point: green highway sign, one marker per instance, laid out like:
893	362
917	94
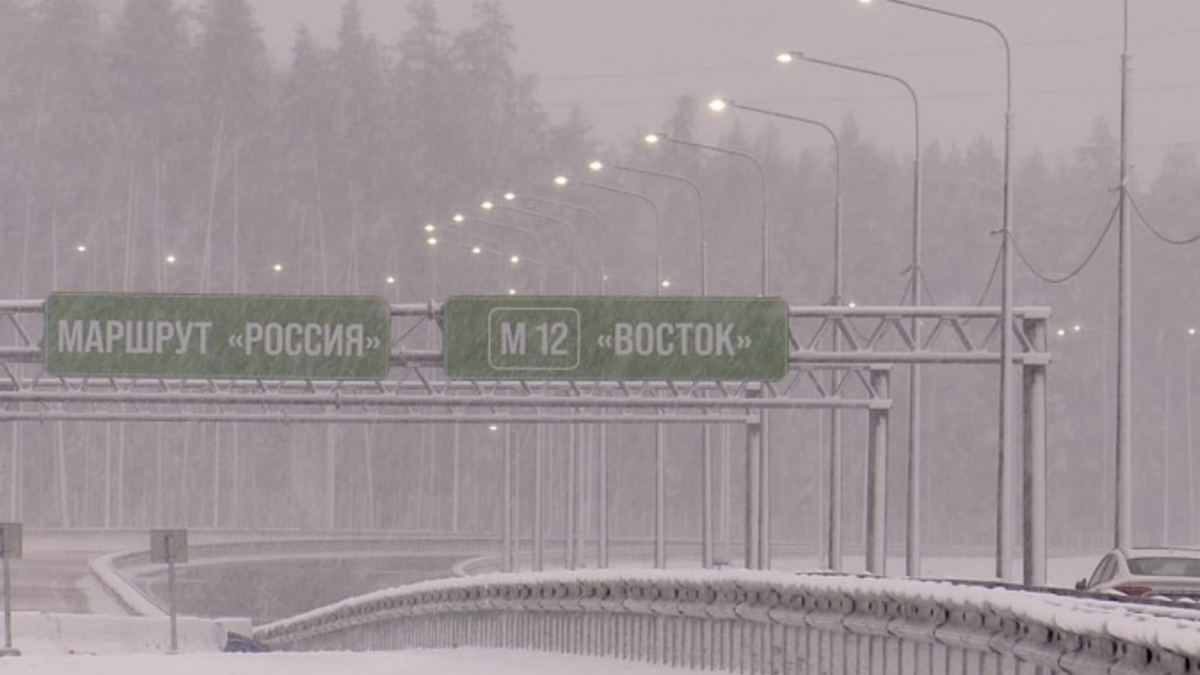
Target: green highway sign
217	336
615	338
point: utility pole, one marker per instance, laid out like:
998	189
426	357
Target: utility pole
1124	459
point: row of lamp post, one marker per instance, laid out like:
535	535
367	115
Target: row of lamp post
1034	540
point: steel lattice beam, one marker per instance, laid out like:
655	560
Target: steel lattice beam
417	389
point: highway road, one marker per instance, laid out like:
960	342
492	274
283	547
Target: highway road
261	576
53	574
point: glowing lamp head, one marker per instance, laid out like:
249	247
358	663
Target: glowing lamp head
458	218
429	227
487	206
652	139
718	105
596	165
785	57
432	241
477	250
561	180
516	259
509	196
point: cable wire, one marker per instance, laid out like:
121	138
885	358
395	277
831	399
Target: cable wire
992	277
1158	234
1091	254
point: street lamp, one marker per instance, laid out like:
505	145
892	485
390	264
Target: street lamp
513	196
719	105
1034	539
660	542
490	205
505	261
707	471
834	538
563	181
602	530
598	166
914	380
513	259
758	536
656	138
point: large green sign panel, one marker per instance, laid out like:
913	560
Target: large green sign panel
217	336
615	338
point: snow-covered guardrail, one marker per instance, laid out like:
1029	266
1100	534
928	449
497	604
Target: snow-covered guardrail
763	622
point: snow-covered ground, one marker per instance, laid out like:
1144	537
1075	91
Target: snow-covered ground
109	645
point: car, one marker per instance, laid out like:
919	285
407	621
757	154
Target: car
1172	573
238	643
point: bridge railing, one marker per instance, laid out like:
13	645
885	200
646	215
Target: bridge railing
763	622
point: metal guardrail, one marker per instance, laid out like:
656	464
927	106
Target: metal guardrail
764	622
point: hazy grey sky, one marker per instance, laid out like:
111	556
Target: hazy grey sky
626	61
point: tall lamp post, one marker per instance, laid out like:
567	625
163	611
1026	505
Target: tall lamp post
513	196
490	205
660	487
1124	450
719	105
656	138
914	380
563	180
602	443
834	525
1035	536
758	497
576	463
598	166
473	246
462	219
707	548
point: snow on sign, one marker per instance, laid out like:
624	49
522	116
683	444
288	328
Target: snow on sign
615	338
217	336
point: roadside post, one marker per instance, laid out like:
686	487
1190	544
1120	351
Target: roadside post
10	549
170	547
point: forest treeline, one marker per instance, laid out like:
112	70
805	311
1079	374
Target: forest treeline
152	131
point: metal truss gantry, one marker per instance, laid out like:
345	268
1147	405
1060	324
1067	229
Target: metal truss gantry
823	373
840	358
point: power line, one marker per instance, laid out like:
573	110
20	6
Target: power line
991	277
924	53
1091	254
1156	233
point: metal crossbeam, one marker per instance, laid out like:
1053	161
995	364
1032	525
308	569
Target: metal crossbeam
417	389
